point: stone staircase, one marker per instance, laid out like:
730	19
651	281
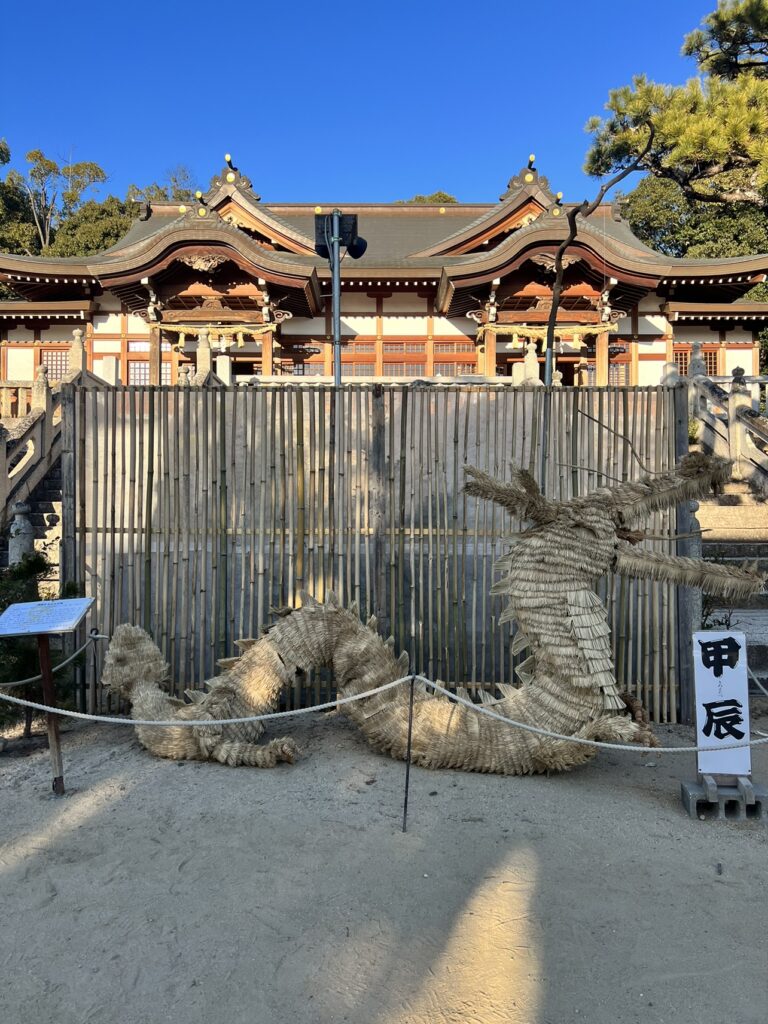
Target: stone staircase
44	514
735	530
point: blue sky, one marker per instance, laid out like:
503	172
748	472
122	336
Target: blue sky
331	101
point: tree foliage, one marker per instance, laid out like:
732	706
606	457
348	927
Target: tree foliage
433	199
179	186
662	216
92	228
732	40
711	134
53	191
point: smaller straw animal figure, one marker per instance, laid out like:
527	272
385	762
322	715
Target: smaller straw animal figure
135	669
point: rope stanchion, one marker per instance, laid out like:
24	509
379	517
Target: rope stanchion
408	753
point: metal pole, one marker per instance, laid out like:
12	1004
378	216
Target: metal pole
49	695
336	297
408	755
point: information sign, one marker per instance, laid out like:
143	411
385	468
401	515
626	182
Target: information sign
36	618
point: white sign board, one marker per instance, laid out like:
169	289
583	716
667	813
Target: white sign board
722	705
37	617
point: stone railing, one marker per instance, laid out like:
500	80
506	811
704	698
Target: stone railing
731	423
30	439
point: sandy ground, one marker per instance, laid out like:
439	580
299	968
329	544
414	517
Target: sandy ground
163	892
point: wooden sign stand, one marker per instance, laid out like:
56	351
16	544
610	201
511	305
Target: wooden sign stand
41	619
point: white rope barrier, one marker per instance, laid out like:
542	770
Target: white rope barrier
480	709
483	710
93	635
204	723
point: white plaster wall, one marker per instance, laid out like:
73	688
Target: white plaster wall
107	345
649	304
739	336
21	364
650	373
463	328
353	302
61	332
21	334
408	326
98	368
304	325
653	324
405	303
106	323
739	357
358	325
108	302
137	326
686	334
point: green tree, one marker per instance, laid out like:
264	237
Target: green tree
732	40
17	228
92	228
711	134
433	199
53	191
178	187
661	215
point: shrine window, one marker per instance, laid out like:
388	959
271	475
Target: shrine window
358	369
682	357
455	369
404	369
56	362
138	373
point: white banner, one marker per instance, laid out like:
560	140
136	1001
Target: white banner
722	705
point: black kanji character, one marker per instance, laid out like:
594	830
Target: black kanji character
724	716
717	653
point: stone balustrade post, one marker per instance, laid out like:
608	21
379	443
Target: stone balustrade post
738	399
204	355
76	354
21	536
42	401
697	367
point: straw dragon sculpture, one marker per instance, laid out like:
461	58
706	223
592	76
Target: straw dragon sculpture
569	686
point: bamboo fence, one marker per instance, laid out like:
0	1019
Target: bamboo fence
195	512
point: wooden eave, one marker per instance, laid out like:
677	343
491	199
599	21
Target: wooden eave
610	257
682	311
73	309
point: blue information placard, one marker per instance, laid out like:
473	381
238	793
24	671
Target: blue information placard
40	617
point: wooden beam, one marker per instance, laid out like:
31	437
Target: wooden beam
155	356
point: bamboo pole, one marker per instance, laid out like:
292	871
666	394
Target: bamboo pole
300	494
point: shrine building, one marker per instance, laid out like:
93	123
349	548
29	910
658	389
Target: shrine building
231	282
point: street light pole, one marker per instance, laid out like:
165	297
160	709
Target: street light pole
336	296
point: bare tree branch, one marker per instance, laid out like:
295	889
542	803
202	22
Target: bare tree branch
585	210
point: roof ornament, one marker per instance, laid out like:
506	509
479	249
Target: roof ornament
230	175
526	178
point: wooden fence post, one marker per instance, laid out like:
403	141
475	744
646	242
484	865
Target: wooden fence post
688	598
377	500
67	556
